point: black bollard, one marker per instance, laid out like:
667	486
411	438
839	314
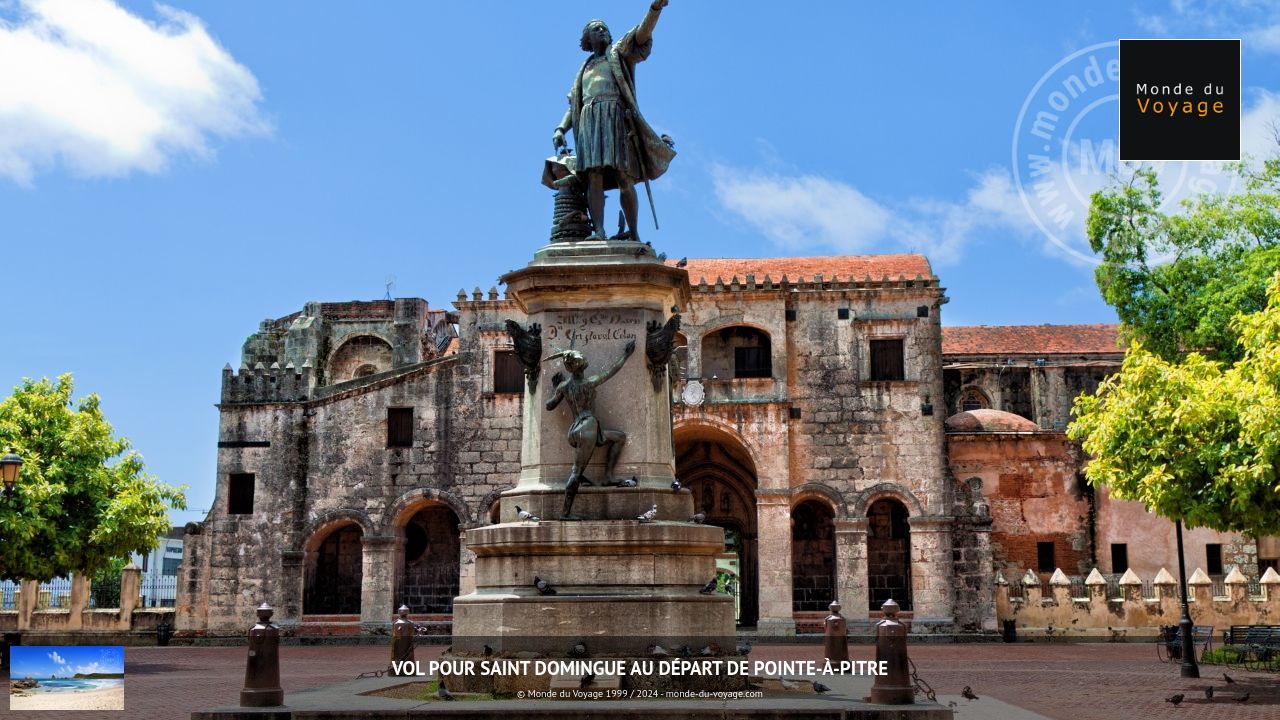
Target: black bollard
262	668
163	632
835	636
402	631
894	687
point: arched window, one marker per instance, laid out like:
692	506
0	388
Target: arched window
973	399
737	352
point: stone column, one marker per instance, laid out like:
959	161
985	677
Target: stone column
851	567
291	588
29	592
130	585
773	526
932	595
1049	397
377	584
986	572
466	566
79	601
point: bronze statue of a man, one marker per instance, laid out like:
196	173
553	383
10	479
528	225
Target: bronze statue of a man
586	433
616	147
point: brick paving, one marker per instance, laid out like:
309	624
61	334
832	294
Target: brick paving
1081	682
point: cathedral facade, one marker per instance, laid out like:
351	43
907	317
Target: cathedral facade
851	447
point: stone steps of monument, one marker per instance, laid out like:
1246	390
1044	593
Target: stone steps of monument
329	625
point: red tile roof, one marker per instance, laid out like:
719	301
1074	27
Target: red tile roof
1031	340
984	420
795	268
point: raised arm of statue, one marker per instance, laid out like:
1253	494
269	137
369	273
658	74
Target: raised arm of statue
616	366
645	31
556	397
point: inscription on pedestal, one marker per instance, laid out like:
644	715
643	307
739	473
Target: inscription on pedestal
585	327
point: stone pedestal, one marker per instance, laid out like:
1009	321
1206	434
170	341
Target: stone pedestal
621	585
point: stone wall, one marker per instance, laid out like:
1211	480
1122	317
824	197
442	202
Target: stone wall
1094	611
131	623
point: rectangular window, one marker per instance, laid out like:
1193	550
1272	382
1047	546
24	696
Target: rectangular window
886	360
1213	558
399	427
1045	562
240	494
751	362
1119	557
508	376
170	566
1272	563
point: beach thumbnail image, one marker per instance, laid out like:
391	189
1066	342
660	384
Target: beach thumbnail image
64	677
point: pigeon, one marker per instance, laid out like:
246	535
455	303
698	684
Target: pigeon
587	680
658	651
578	650
951	703
544	587
526	515
699	518
682	262
686	651
787	684
1176	699
629	482
443	693
1228	679
1208	692
1241	698
709	588
967	693
666	140
649	515
640	251
675	485
706	651
744	648
488	651
675	309
820	688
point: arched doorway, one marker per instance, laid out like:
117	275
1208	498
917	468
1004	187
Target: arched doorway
813	556
429	560
888	554
719	472
334	572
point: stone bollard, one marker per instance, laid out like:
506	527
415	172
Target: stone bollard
835	637
402	631
262	669
894	687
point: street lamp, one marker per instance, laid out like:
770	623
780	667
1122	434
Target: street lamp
1189	667
10	465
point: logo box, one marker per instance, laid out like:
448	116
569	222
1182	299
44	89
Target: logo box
1179	100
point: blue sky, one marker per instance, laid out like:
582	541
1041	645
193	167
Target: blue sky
172	175
40	661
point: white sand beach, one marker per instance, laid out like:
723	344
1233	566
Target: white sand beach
108	698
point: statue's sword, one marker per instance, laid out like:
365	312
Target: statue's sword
644	172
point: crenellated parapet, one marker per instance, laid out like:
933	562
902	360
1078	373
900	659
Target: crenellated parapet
1130	607
261	384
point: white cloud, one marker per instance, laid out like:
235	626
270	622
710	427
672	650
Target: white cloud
56	658
800	212
86	84
93	667
1259	125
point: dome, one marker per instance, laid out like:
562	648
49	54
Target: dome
975	421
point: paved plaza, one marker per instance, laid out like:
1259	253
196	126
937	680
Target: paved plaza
1086	681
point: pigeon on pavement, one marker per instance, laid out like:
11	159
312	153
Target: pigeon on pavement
443	693
820	688
967	693
587	680
649	515
709	588
526	515
698	518
1241	698
1176	699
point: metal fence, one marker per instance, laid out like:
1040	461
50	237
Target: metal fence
54	594
159	591
8	595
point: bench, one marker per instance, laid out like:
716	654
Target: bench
1169	643
1255	646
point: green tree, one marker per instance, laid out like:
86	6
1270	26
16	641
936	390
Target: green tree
1195	439
1177	279
83	498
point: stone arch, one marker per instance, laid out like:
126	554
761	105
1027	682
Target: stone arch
973	397
738	350
333	561
824	493
357	354
408	503
719	468
427	523
813	554
888	552
488	508
863	499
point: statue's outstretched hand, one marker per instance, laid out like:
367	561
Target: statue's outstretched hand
630	347
557	140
